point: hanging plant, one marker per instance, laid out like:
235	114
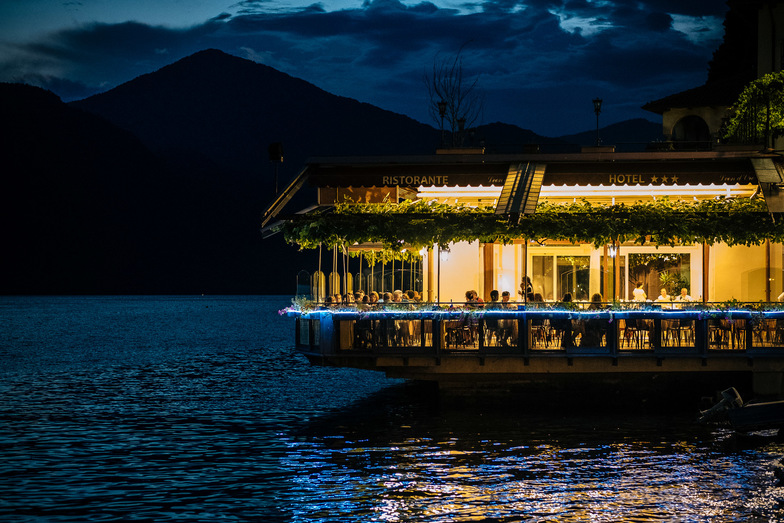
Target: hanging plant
416	224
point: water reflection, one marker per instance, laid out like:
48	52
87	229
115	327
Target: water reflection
422	461
192	409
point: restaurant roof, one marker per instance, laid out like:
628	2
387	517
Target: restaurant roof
514	184
714	94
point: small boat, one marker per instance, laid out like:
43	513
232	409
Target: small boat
745	417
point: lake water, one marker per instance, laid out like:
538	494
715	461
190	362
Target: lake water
199	409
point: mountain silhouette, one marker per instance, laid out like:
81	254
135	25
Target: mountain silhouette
89	209
158	185
76	197
228	110
632	134
501	137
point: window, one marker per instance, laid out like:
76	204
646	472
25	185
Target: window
656	271
554	276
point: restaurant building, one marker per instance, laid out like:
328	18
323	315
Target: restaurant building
689	215
636	218
512	186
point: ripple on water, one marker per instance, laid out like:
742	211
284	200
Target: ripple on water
197	409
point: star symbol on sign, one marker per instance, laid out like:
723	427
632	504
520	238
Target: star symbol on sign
664	179
654	179
674	179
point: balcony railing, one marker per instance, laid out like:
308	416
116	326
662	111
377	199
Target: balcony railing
671	329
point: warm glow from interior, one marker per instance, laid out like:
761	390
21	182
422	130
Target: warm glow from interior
611	194
471	196
642	191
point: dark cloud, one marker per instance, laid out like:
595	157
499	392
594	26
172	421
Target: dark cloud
658	22
536	59
715	8
65	89
221	17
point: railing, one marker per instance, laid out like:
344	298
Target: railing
632	330
620	147
755	123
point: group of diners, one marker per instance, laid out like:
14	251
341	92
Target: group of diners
564	331
590	333
372	300
473	301
639	295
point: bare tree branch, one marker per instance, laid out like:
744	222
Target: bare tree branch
455	103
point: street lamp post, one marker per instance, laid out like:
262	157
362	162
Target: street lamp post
442	113
597	108
460	131
275	151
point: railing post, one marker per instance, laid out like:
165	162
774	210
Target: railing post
524	334
480	332
701	335
327	338
438	330
656	341
613	333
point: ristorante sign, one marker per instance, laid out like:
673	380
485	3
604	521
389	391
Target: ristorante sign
442	181
411	176
415	181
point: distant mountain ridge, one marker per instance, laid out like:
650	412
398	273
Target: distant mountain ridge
229	109
157	186
636	131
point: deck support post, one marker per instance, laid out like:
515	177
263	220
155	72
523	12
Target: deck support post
767	270
705	269
489	269
430	274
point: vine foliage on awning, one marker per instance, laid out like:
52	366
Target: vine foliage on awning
419	223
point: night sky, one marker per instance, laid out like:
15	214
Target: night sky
539	62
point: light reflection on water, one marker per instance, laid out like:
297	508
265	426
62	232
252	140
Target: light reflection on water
473	465
197	409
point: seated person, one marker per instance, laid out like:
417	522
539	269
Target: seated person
595	328
506	302
473	301
564	324
639	293
684	295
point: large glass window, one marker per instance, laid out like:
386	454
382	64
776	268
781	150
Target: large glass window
542	279
574	276
610	277
554	276
656	271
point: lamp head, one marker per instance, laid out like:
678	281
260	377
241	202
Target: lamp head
597	105
442	108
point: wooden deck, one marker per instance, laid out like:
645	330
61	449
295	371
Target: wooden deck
516	346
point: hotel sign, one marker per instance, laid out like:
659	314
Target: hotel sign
673	178
651	173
